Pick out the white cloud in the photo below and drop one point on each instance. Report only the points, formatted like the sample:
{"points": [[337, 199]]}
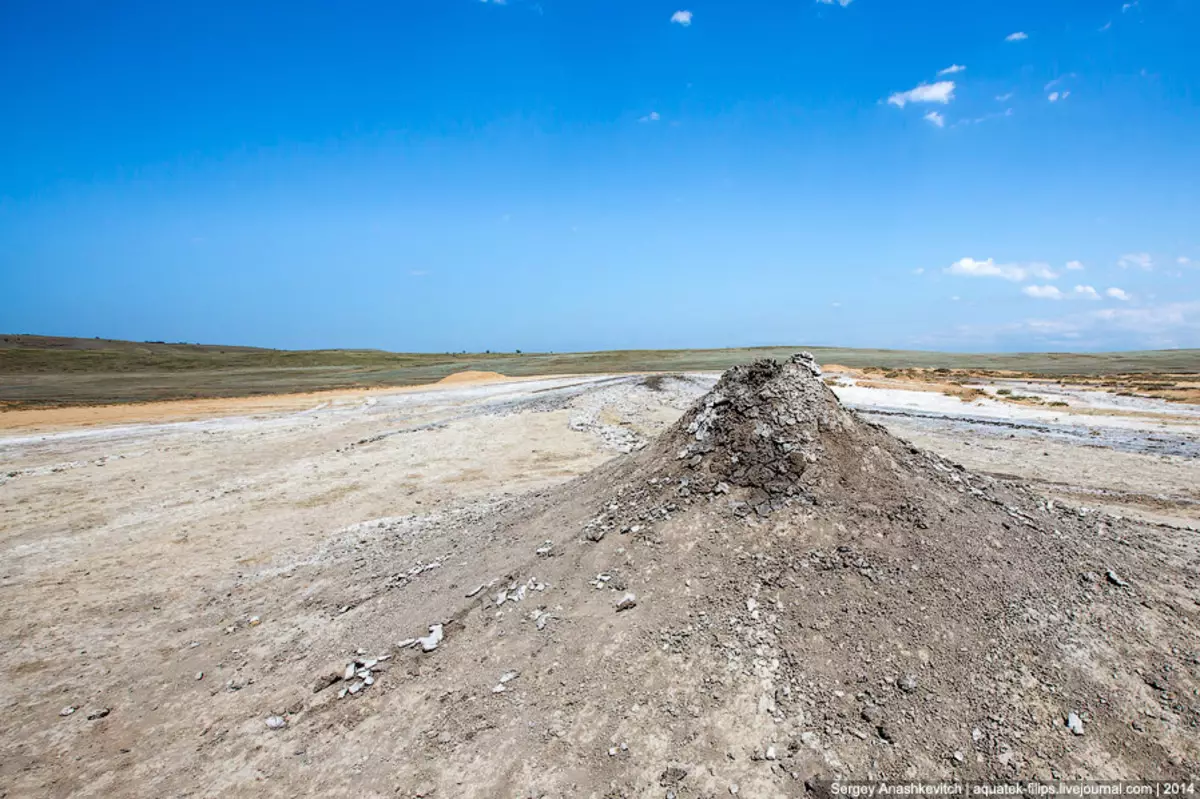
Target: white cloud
{"points": [[1107, 25], [683, 18], [1018, 273], [1074, 266], [1019, 36], [842, 3], [976, 120], [1043, 292], [651, 117], [940, 92], [417, 273], [950, 70], [1141, 260], [1117, 294], [1054, 97], [1058, 80], [1086, 292], [920, 270], [1183, 260], [936, 118], [1004, 97]]}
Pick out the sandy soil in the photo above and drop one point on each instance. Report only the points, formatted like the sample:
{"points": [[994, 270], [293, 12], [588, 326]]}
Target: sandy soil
{"points": [[173, 581]]}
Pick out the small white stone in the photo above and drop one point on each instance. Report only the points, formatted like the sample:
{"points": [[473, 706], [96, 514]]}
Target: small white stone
{"points": [[276, 722]]}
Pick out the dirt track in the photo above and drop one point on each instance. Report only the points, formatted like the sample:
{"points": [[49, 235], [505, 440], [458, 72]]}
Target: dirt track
{"points": [[135, 558]]}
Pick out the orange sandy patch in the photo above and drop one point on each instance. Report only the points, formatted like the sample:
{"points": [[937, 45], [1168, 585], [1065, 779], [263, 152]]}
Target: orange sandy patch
{"points": [[471, 376], [177, 410]]}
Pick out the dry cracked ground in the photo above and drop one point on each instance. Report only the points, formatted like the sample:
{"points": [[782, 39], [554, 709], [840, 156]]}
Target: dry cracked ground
{"points": [[182, 602]]}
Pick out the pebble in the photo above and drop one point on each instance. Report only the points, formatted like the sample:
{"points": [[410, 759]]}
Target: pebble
{"points": [[348, 674], [627, 602], [199, 675], [68, 710], [276, 722], [99, 714], [255, 621], [431, 641], [1074, 723], [908, 683], [1112, 577]]}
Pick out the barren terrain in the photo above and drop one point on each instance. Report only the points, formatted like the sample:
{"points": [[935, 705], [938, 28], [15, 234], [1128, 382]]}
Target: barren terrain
{"points": [[170, 586]]}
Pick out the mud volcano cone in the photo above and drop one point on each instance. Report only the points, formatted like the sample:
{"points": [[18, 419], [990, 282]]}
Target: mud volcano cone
{"points": [[777, 432], [776, 593]]}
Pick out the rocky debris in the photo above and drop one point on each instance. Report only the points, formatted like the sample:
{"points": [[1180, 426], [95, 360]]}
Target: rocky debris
{"points": [[360, 673], [68, 710], [1074, 723], [505, 678], [431, 641], [517, 592], [1112, 577], [276, 722], [99, 714], [627, 602]]}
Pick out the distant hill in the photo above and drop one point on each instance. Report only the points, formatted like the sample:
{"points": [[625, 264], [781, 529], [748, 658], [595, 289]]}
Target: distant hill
{"points": [[51, 370]]}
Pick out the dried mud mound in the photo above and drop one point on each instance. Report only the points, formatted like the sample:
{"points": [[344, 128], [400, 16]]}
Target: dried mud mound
{"points": [[774, 593], [777, 431]]}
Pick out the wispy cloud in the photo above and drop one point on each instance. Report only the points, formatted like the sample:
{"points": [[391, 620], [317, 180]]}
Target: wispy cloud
{"points": [[1183, 260], [1139, 260], [417, 273], [1118, 294], [976, 120], [1058, 80], [1003, 98], [683, 18], [842, 3], [1106, 26], [1043, 292], [1074, 266], [940, 92], [936, 119], [653, 116], [1018, 273], [1019, 36], [951, 70], [1086, 292], [1054, 97]]}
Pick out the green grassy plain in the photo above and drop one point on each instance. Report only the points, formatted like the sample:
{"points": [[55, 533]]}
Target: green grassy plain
{"points": [[48, 371]]}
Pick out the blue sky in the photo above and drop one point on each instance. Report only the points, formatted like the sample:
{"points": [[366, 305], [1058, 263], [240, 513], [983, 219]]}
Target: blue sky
{"points": [[575, 174]]}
